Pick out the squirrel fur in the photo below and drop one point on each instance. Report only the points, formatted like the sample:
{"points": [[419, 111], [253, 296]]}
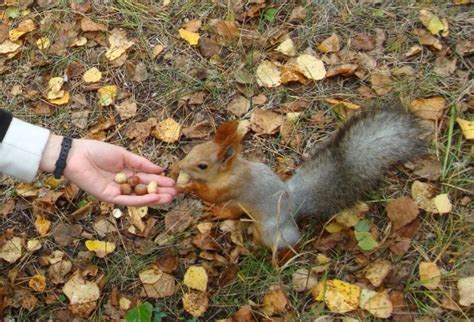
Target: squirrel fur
{"points": [[335, 177]]}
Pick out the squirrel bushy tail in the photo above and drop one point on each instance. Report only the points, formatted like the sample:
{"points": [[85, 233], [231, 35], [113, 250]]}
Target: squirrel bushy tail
{"points": [[349, 166]]}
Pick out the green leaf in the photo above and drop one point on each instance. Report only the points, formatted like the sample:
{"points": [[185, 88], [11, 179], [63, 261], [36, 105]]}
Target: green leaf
{"points": [[365, 240], [158, 314], [362, 226], [270, 14], [12, 12], [141, 313]]}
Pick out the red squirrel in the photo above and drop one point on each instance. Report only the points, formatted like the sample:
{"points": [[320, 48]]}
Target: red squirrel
{"points": [[335, 177]]}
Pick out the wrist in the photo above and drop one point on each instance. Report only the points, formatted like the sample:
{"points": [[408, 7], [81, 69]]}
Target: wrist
{"points": [[51, 153]]}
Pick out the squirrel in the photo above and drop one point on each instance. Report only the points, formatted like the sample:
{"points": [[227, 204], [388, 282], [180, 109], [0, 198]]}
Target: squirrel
{"points": [[335, 177]]}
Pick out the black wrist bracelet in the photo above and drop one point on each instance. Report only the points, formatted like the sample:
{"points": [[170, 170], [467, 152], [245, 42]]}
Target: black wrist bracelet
{"points": [[61, 162]]}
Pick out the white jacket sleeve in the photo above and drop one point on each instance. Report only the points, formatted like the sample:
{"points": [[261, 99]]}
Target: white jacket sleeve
{"points": [[21, 149]]}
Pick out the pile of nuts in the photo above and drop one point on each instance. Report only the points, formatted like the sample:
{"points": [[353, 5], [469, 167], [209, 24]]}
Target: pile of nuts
{"points": [[133, 184]]}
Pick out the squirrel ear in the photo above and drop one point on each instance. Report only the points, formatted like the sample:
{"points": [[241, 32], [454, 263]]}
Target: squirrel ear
{"points": [[227, 132], [227, 153]]}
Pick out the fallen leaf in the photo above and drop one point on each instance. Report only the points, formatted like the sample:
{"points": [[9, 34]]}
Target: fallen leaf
{"points": [[198, 131], [445, 67], [227, 29], [26, 190], [57, 272], [208, 47], [428, 168], [311, 67], [442, 203], [62, 100], [42, 225], [100, 248], [33, 245], [88, 24], [150, 276], [158, 49], [80, 291], [193, 25], [433, 23], [265, 122], [380, 305], [24, 27], [291, 73], [127, 109], [11, 249], [343, 69], [196, 278], [164, 286], [303, 280], [376, 271], [8, 47], [381, 81], [244, 314], [363, 42], [268, 74], [466, 290], [37, 282], [465, 47], [234, 227], [414, 50], [81, 6], [107, 95], [430, 275], [191, 38], [429, 108], [136, 72], [195, 303], [275, 301], [239, 105], [168, 263], [54, 88], [467, 128], [402, 211], [365, 240], [92, 75], [427, 39], [339, 296], [178, 219], [119, 44], [139, 131], [347, 104], [332, 44], [64, 233], [43, 43], [298, 13], [168, 131], [287, 48], [103, 227]]}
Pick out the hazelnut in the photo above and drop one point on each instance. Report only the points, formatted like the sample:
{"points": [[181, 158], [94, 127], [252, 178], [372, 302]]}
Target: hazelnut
{"points": [[133, 181], [125, 189], [120, 177], [152, 187], [140, 189]]}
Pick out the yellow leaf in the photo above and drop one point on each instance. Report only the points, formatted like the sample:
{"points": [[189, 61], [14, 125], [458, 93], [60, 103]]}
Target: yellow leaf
{"points": [[433, 23], [268, 74], [101, 248], [334, 227], [191, 37], [331, 44], [80, 41], [43, 43], [429, 108], [107, 95], [38, 283], [118, 44], [168, 131], [8, 46], [52, 182], [287, 48], [11, 250], [150, 276], [377, 271], [62, 100], [380, 305], [33, 245], [339, 296], [442, 203], [311, 67], [195, 303], [430, 275], [275, 301], [345, 103], [92, 75], [54, 88], [24, 27], [196, 278], [466, 290], [42, 225], [467, 128], [26, 190]]}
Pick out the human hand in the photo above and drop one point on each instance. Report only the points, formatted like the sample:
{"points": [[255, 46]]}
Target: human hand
{"points": [[92, 166]]}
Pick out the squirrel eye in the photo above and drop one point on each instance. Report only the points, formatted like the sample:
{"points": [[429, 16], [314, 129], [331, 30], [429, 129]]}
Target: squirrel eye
{"points": [[202, 166]]}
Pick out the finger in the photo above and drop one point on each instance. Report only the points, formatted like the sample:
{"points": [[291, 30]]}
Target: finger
{"points": [[161, 180], [167, 191], [139, 163], [145, 200]]}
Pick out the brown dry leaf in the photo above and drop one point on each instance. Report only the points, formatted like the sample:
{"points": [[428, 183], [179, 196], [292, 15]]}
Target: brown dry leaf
{"points": [[227, 29], [265, 122], [11, 249], [298, 14], [64, 233], [3, 32], [376, 271], [191, 38], [244, 314], [275, 301], [380, 305], [196, 278], [193, 25], [136, 72], [150, 276], [42, 225], [198, 131], [428, 168], [168, 263], [26, 190], [107, 95], [400, 246], [467, 128], [88, 25], [343, 69], [430, 275], [268, 74], [208, 47], [444, 66], [303, 280], [429, 108], [465, 47], [158, 49], [24, 27], [414, 50], [195, 303], [103, 227], [427, 39], [7, 207], [287, 47], [339, 296], [234, 227], [178, 219], [168, 131], [92, 75], [423, 193], [80, 291], [311, 67], [8, 47], [81, 6], [37, 282], [197, 98], [100, 248], [139, 131], [119, 44], [347, 104], [332, 44], [363, 42], [381, 81], [289, 73], [127, 109], [402, 211], [58, 271], [164, 286], [466, 290], [433, 23], [239, 105]]}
